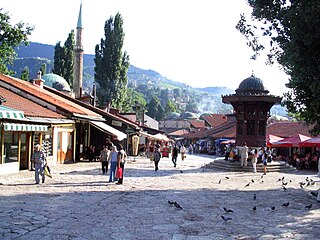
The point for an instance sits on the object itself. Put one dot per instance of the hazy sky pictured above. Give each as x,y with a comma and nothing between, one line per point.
189,41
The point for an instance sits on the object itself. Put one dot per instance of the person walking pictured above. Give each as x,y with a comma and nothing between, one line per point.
104,156
254,159
121,159
113,159
39,159
244,155
183,152
264,161
157,157
174,155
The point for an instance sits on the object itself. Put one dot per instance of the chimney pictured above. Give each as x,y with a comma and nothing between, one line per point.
38,81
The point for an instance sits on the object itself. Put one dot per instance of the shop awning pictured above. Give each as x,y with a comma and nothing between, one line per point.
10,113
108,129
20,127
148,135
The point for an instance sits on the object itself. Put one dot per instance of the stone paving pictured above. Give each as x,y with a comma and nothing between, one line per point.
78,203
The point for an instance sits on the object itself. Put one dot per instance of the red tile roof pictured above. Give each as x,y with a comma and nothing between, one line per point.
179,132
226,130
196,135
30,109
197,123
214,120
286,129
48,97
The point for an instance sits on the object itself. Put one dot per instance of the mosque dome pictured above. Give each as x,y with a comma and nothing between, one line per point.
56,82
173,115
252,85
188,115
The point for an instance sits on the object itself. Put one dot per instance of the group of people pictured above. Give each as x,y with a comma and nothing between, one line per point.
116,156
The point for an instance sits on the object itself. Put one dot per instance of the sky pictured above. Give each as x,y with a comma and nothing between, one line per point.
189,41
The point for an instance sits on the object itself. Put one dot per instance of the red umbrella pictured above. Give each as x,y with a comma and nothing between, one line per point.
293,141
312,142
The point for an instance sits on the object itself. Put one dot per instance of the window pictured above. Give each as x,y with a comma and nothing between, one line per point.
11,147
262,128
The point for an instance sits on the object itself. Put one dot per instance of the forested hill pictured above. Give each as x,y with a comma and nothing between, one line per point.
38,53
146,82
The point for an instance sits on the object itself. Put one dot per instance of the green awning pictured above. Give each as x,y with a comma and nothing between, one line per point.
10,113
24,127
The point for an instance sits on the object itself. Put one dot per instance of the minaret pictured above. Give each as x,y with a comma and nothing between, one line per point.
78,58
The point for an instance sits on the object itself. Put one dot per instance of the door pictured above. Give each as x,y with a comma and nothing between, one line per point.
24,151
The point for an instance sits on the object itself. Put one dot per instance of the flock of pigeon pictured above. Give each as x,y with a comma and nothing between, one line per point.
308,182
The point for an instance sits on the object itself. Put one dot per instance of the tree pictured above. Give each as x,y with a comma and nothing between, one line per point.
64,59
25,74
11,36
292,28
169,108
69,59
111,64
58,65
155,110
43,68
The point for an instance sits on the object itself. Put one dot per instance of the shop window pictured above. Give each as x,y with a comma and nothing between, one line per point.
11,147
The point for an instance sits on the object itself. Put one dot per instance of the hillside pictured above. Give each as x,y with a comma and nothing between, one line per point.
207,99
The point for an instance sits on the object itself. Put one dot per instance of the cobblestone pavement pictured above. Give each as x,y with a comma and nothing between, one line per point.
78,203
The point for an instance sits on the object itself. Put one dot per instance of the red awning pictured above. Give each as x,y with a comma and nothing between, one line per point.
312,142
293,141
271,139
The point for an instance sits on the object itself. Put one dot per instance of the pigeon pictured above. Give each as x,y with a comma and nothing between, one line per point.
307,179
252,180
284,188
273,208
219,181
282,178
262,181
247,185
312,183
261,176
308,206
227,210
285,204
284,183
279,179
254,196
290,181
225,218
227,177
181,171
314,194
177,205
301,185
254,208
171,202
308,184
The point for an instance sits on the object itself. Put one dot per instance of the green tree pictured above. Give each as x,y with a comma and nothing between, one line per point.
155,110
58,65
43,69
69,58
111,64
25,74
292,30
169,108
11,36
192,107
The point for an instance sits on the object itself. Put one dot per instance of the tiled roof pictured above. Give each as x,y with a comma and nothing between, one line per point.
197,123
30,109
196,135
59,102
226,130
214,120
179,132
95,109
286,129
